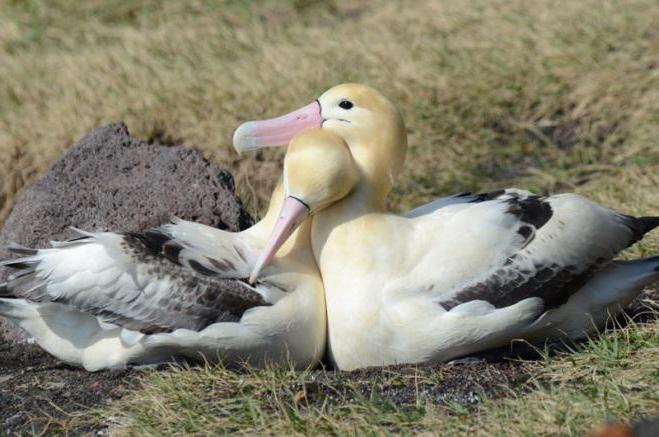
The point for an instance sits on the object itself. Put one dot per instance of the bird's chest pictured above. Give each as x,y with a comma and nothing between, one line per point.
355,264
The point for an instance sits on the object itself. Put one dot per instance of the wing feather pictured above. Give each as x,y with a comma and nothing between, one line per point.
565,240
453,199
179,276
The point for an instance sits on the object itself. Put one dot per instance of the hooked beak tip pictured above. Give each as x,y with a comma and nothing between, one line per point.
278,131
242,140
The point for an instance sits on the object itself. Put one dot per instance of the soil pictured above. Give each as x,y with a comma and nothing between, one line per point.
465,382
39,394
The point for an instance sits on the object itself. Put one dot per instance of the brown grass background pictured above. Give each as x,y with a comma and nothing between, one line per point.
548,96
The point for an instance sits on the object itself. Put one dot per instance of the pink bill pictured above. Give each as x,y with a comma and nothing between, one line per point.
293,213
277,131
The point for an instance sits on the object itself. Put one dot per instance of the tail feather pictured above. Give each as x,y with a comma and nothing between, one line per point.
20,270
16,309
640,225
649,223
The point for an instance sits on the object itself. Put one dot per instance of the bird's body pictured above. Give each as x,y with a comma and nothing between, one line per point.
109,299
471,276
459,275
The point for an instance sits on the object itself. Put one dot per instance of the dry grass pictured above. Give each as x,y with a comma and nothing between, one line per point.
567,394
548,96
551,97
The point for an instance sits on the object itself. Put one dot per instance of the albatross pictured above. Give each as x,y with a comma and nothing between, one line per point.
459,275
108,299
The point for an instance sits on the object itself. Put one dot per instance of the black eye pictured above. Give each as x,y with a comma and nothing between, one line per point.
346,104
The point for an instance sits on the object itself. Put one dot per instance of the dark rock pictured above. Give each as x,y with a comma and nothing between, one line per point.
110,181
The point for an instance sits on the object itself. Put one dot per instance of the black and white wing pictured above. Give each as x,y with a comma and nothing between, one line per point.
183,275
524,246
453,199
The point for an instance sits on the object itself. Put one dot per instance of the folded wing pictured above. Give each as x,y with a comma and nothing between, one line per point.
183,275
542,247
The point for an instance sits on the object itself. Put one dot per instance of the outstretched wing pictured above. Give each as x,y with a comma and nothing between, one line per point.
183,275
544,247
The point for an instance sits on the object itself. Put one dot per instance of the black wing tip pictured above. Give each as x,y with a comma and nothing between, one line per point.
19,249
640,225
489,195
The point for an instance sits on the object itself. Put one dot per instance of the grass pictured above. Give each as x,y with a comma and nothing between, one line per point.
547,96
551,97
568,393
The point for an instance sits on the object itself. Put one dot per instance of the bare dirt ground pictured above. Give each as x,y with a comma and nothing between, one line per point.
38,393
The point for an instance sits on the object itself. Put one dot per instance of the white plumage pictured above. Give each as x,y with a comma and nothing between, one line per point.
456,276
460,277
108,299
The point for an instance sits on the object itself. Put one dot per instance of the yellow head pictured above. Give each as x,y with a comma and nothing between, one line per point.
369,124
351,134
318,169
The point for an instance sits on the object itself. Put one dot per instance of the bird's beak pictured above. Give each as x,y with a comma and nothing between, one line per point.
293,213
278,131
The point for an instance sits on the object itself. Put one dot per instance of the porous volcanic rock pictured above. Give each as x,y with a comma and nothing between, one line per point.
111,181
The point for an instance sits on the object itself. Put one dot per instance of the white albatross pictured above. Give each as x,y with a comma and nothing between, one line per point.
457,276
110,299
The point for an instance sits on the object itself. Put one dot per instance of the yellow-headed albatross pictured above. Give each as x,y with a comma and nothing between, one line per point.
462,274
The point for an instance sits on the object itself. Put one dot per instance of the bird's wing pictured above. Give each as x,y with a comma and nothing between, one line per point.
453,199
182,275
514,245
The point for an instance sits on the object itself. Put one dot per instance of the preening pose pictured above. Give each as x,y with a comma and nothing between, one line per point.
459,275
108,299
